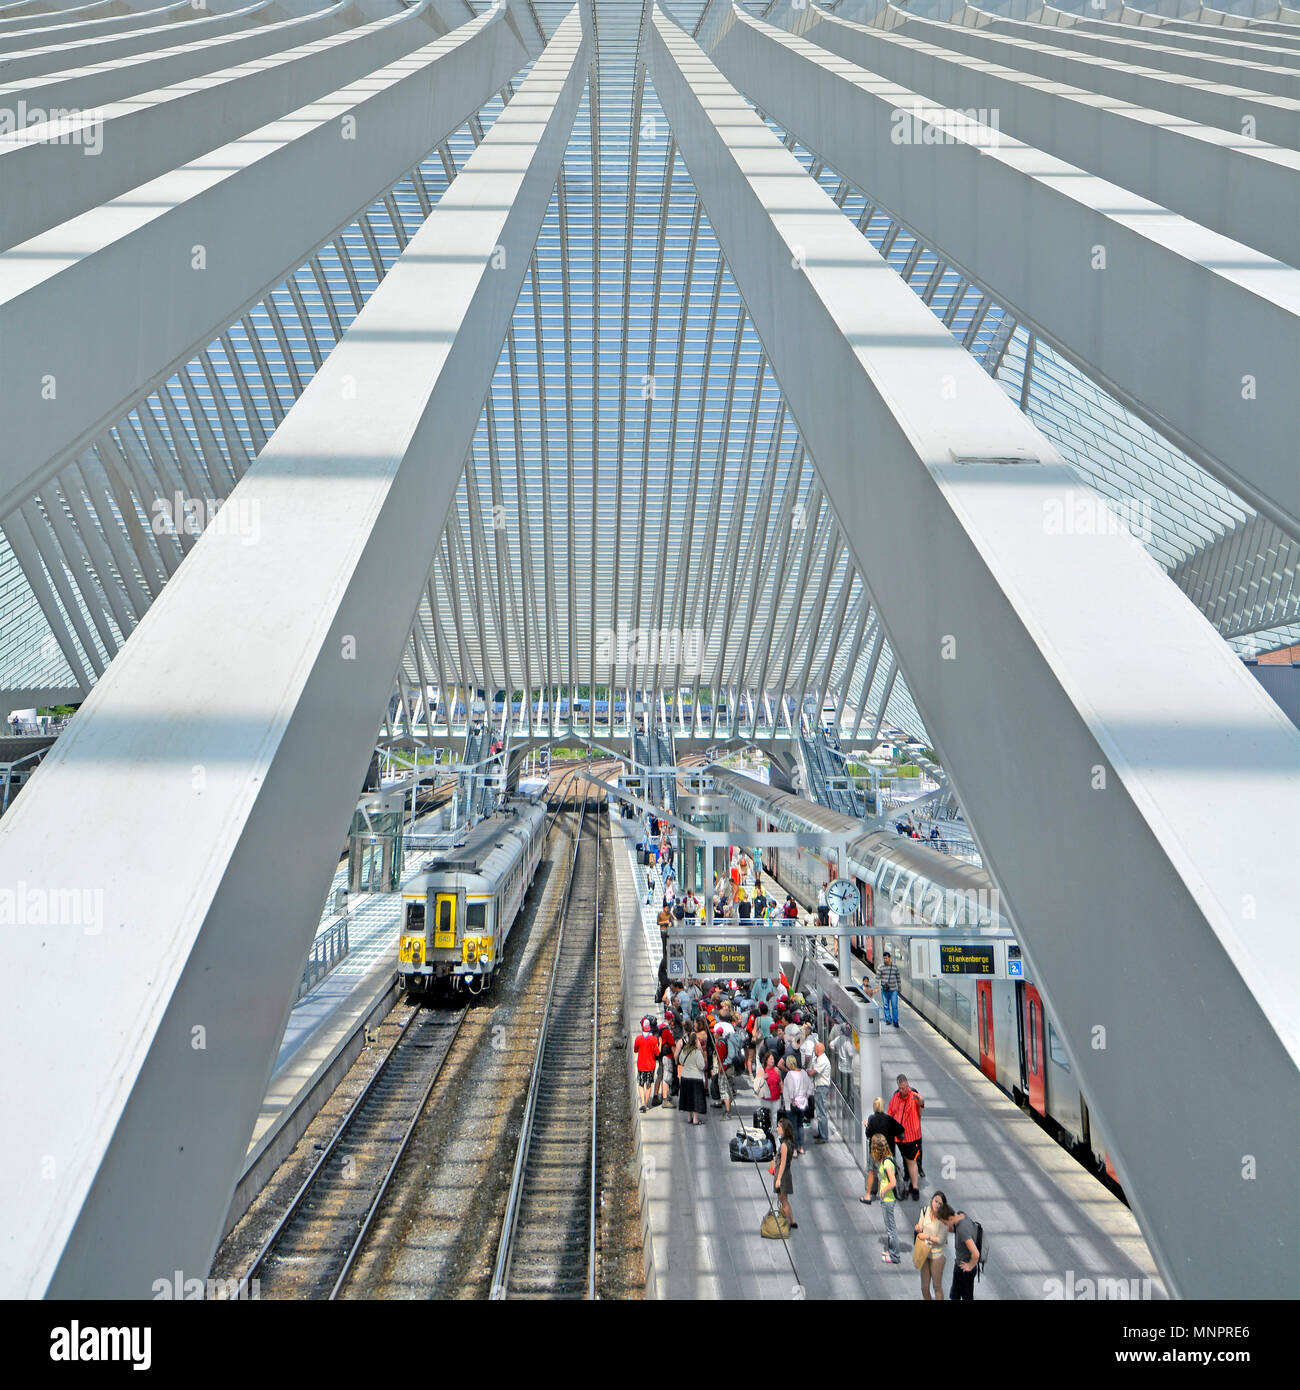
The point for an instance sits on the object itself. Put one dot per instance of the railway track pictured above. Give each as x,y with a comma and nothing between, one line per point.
548,1239
318,1241
313,1246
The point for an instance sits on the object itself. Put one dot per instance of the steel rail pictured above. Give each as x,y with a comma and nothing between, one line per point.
346,1122
269,1243
505,1247
379,1193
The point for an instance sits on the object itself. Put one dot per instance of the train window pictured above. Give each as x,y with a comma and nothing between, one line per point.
476,917
415,918
445,914
961,1010
1054,1049
1035,1061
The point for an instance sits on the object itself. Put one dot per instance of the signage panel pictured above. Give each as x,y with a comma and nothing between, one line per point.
966,959
722,957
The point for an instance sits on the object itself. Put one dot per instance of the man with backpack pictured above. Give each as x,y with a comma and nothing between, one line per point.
969,1240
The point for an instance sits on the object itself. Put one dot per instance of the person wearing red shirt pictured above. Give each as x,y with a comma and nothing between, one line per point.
905,1105
666,1083
646,1046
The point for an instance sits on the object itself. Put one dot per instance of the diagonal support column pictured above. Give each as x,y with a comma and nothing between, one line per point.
1144,857
209,780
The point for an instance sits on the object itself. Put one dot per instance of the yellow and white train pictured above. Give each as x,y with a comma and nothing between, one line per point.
457,912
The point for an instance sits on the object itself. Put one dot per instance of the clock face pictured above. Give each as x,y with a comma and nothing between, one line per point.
843,895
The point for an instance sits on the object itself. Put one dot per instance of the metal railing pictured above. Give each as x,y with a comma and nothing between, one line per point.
327,951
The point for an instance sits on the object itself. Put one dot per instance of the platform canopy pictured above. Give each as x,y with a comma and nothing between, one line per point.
927,368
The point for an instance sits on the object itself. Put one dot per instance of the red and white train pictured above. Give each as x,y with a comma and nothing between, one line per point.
1000,1024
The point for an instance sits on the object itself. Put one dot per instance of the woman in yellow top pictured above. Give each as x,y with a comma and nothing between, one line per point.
933,1229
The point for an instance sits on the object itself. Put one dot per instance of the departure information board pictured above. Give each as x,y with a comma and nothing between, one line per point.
722,958
966,959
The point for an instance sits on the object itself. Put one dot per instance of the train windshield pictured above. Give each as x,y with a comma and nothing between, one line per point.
415,919
476,917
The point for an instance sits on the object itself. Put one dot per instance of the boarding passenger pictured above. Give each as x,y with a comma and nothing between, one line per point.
647,1057
932,1228
888,982
796,1090
888,1198
879,1123
905,1105
783,1177
666,1076
772,1098
693,1098
967,1257
720,1066
820,1071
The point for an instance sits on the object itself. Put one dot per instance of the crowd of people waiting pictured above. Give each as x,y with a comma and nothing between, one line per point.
717,1043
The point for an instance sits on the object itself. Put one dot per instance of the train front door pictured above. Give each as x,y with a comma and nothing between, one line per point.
1035,1051
984,1018
444,921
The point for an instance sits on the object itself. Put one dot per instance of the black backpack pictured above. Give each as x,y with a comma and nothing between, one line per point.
982,1246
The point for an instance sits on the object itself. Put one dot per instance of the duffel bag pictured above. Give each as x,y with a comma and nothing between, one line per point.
775,1226
751,1146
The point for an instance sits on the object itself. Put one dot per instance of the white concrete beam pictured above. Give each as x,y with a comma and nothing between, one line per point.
1245,189
1230,106
179,258
1197,334
124,143
192,793
1145,859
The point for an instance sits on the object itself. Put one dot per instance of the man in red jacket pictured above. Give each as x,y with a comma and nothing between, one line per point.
646,1047
905,1105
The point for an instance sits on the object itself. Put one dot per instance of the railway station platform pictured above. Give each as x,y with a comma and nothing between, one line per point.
1052,1230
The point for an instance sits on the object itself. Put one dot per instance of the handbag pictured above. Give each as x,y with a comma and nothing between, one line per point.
920,1252
775,1226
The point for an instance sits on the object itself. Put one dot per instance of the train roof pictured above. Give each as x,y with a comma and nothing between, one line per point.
481,842
915,856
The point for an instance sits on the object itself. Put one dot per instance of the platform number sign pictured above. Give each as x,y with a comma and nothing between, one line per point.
676,959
